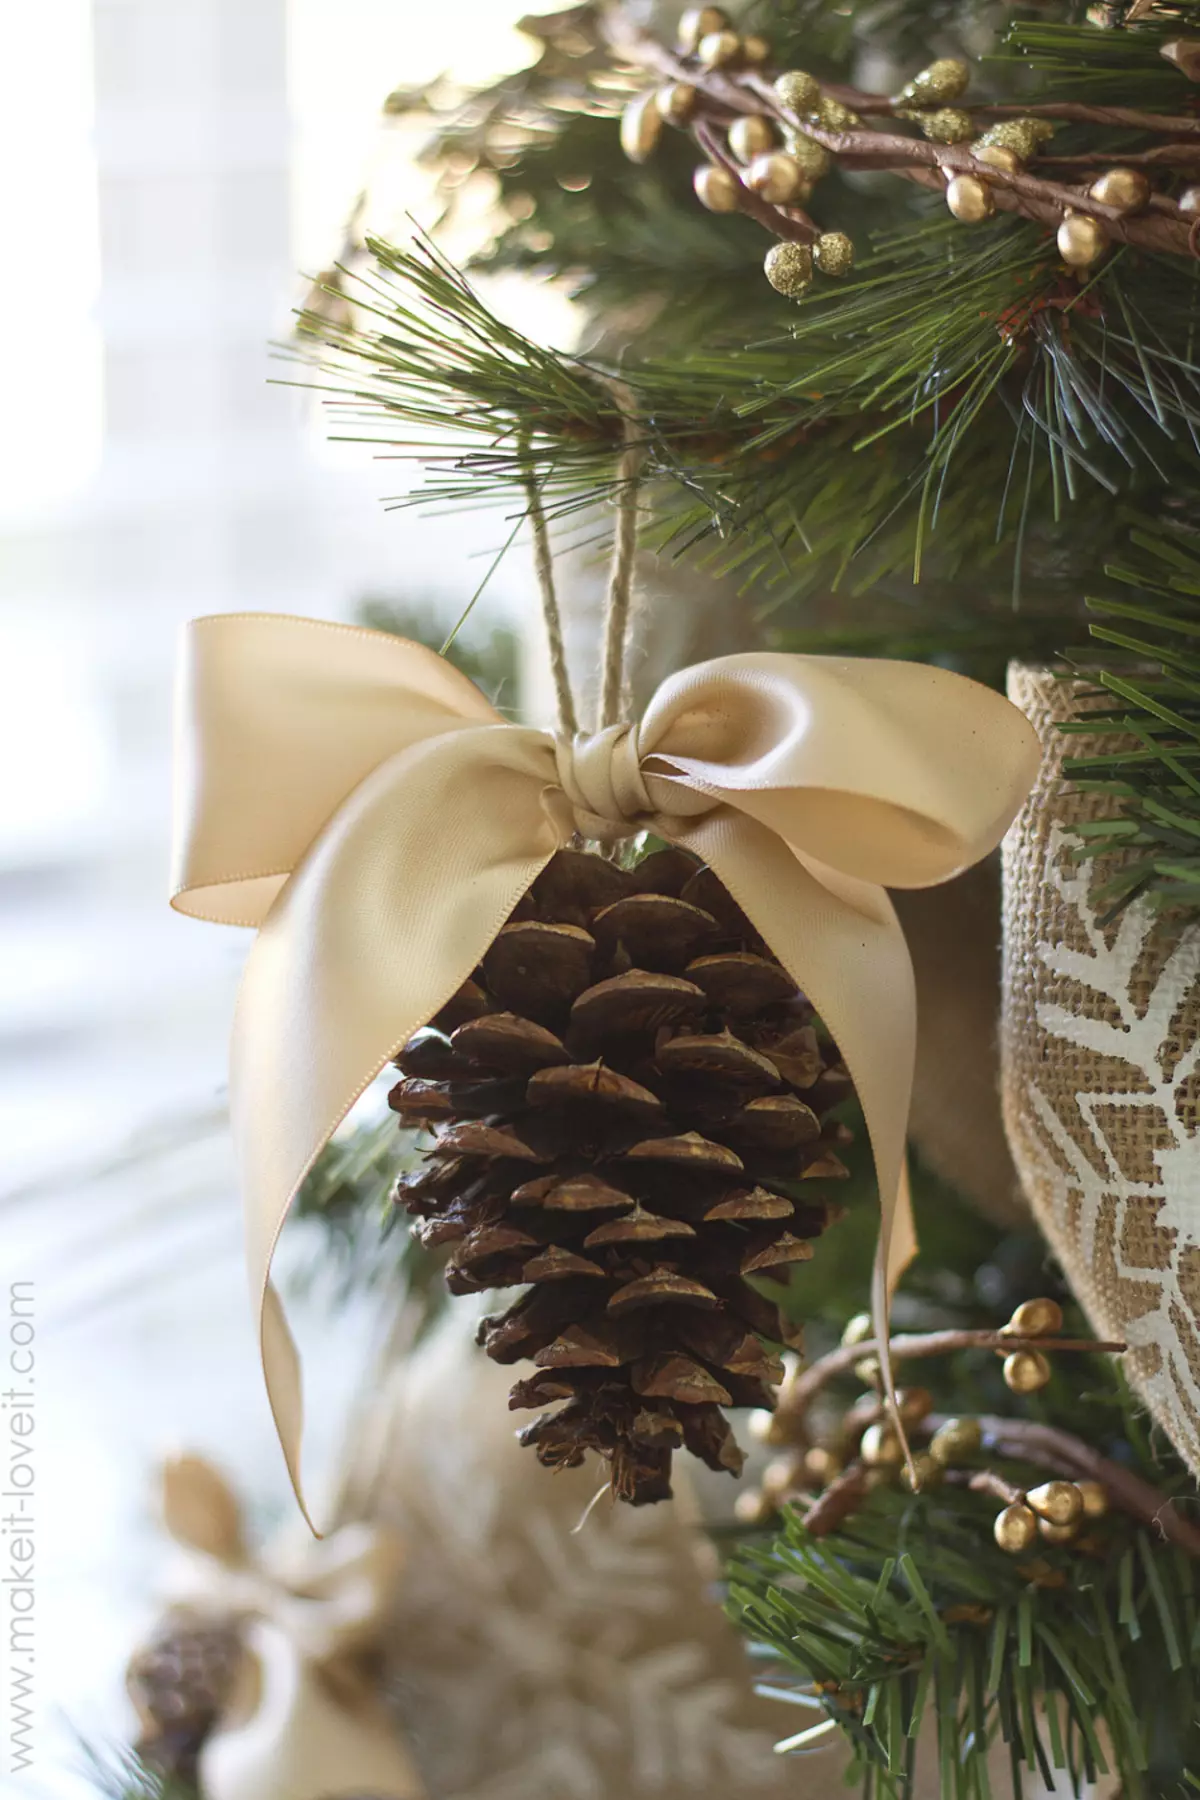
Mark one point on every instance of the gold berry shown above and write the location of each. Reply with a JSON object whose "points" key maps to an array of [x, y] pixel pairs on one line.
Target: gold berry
{"points": [[869, 1370], [1125, 190], [1057, 1534], [943, 80], [778, 1479], [1036, 1318], [755, 50], [1189, 200], [1023, 136], [945, 124], [928, 1473], [821, 1466], [813, 158], [717, 49], [1025, 1371], [997, 156], [752, 1507], [766, 1427], [717, 188], [881, 1448], [676, 102], [915, 1403], [697, 22], [834, 116], [641, 127], [970, 199], [751, 135], [788, 268], [798, 92], [858, 1329], [1015, 1529], [776, 176], [1058, 1502], [1082, 241], [955, 1441], [1094, 1495]]}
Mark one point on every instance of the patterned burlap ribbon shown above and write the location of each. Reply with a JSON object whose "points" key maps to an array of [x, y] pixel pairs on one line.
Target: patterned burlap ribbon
{"points": [[1101, 1076]]}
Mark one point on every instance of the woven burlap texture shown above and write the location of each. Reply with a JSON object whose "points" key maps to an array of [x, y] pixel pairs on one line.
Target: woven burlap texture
{"points": [[1100, 1072]]}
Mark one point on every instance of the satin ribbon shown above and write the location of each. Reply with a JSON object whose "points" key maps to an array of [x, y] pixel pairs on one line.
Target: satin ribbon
{"points": [[358, 800], [305, 1720]]}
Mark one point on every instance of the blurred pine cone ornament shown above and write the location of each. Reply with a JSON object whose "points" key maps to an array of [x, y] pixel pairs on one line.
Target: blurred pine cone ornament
{"points": [[179, 1683], [628, 1097]]}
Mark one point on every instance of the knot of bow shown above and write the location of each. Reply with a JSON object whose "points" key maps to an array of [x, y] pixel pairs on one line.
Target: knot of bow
{"points": [[356, 798], [303, 1719]]}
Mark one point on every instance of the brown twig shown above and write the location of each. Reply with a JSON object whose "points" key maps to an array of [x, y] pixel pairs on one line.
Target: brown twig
{"points": [[840, 1499], [1164, 228], [799, 1395], [792, 224]]}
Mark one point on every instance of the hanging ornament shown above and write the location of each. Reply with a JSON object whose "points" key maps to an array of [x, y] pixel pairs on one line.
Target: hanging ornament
{"points": [[677, 102], [1082, 240], [789, 268], [641, 127], [751, 135], [719, 49], [970, 199], [717, 188], [833, 253], [697, 23], [798, 92], [1125, 190], [777, 177], [944, 80]]}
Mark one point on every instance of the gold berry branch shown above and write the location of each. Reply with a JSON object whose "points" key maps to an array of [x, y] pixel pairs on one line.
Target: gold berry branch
{"points": [[768, 137]]}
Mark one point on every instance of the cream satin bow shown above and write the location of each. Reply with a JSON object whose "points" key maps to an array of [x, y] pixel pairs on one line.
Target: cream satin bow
{"points": [[304, 1721], [356, 798]]}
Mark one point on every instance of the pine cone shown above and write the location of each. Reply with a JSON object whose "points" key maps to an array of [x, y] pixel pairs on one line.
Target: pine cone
{"points": [[179, 1684], [626, 1097]]}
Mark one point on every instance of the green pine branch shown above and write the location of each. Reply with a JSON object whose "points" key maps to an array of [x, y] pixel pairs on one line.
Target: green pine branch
{"points": [[1074, 1661]]}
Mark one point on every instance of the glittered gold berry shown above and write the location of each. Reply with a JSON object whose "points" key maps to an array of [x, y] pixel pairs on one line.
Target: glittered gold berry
{"points": [[751, 135], [1082, 241], [970, 199], [1125, 190], [1023, 136], [1058, 1502], [955, 1442], [776, 177], [641, 127], [788, 267], [1015, 1529], [717, 188], [798, 92], [1025, 1371], [833, 253], [697, 22], [676, 102], [946, 79], [1036, 1318], [718, 49], [813, 158], [945, 124], [834, 116]]}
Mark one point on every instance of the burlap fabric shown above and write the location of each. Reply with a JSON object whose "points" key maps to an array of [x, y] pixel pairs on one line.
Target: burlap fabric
{"points": [[1100, 1061]]}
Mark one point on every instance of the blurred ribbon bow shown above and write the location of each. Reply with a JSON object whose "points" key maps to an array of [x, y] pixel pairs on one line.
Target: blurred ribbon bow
{"points": [[303, 1720], [356, 798]]}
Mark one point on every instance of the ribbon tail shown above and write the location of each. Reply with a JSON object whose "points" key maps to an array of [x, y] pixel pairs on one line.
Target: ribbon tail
{"points": [[840, 939], [384, 919]]}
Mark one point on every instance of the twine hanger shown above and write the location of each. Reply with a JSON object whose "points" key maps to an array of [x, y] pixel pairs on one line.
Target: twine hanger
{"points": [[614, 695]]}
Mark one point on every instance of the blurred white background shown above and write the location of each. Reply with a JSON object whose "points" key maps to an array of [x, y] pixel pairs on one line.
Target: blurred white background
{"points": [[169, 169]]}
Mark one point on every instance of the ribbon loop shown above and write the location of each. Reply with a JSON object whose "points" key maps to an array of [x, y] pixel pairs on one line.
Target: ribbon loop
{"points": [[601, 775], [359, 799]]}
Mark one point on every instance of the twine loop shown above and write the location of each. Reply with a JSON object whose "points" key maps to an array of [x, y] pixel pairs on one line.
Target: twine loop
{"points": [[601, 776]]}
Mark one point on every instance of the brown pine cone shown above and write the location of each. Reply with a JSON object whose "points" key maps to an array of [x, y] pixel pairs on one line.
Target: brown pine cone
{"points": [[627, 1097], [179, 1684]]}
